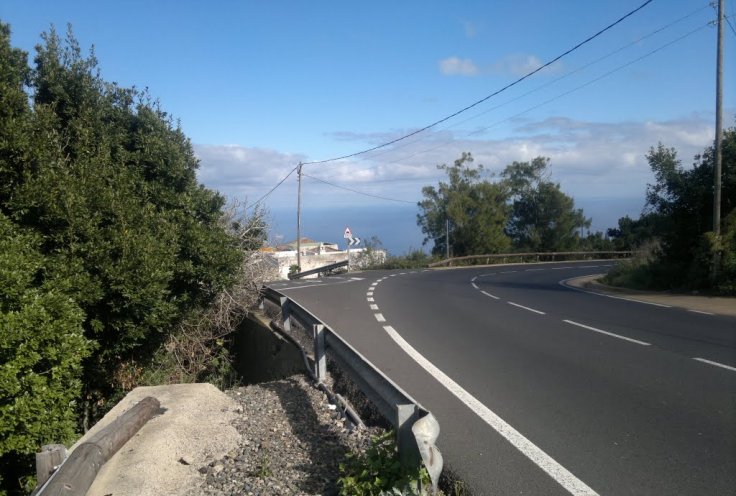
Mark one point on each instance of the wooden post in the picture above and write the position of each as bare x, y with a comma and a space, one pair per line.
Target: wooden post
48, 460
76, 475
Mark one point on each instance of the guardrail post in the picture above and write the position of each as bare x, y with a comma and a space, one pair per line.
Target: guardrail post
285, 313
406, 415
320, 360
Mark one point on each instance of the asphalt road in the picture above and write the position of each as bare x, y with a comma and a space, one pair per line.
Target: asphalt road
544, 389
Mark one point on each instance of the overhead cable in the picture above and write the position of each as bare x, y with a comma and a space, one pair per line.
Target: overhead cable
272, 189
556, 80
475, 104
356, 191
550, 100
728, 20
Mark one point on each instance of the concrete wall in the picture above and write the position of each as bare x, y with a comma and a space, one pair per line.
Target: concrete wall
261, 355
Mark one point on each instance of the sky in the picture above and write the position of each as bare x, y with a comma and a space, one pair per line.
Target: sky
261, 86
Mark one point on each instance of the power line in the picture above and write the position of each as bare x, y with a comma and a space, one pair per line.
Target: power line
728, 20
356, 191
475, 104
272, 189
550, 100
534, 90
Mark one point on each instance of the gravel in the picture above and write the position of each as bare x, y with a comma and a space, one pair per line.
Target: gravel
292, 442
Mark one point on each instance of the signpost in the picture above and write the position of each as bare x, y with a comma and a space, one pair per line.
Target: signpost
348, 235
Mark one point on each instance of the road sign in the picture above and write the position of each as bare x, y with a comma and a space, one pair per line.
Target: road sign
353, 241
347, 234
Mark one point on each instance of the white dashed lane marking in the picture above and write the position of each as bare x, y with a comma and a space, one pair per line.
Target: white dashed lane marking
711, 362
618, 336
526, 308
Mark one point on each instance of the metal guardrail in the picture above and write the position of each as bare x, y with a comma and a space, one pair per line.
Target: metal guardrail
326, 268
537, 256
416, 428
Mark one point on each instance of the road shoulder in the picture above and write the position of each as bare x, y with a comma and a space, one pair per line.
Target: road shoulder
717, 305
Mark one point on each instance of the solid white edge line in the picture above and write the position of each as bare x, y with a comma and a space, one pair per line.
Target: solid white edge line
526, 308
492, 296
559, 473
473, 279
374, 306
379, 317
700, 312
474, 285
711, 362
643, 343
564, 283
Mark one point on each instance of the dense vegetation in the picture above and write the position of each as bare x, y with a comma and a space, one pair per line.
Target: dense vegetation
107, 244
676, 229
523, 211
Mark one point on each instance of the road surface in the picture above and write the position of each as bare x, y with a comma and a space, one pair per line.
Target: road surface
540, 388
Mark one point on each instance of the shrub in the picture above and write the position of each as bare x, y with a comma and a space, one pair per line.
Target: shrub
41, 351
378, 471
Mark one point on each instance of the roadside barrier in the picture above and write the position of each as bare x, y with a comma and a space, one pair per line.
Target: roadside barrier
560, 256
416, 427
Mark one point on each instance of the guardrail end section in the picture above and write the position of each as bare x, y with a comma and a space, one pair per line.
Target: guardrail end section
426, 430
406, 415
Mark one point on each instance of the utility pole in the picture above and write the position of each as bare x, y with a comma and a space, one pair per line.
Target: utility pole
299, 218
719, 138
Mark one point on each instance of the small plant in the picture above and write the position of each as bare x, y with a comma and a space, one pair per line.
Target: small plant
378, 471
264, 467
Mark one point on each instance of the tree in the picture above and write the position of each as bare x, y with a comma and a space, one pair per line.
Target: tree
14, 114
474, 207
42, 347
678, 220
682, 201
122, 241
543, 218
631, 234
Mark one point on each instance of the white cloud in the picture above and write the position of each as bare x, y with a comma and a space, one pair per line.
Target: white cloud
521, 64
454, 66
593, 160
243, 172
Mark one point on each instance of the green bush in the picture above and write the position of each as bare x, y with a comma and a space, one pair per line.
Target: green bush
378, 471
42, 347
108, 240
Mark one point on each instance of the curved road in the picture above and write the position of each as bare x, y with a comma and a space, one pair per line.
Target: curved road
540, 388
